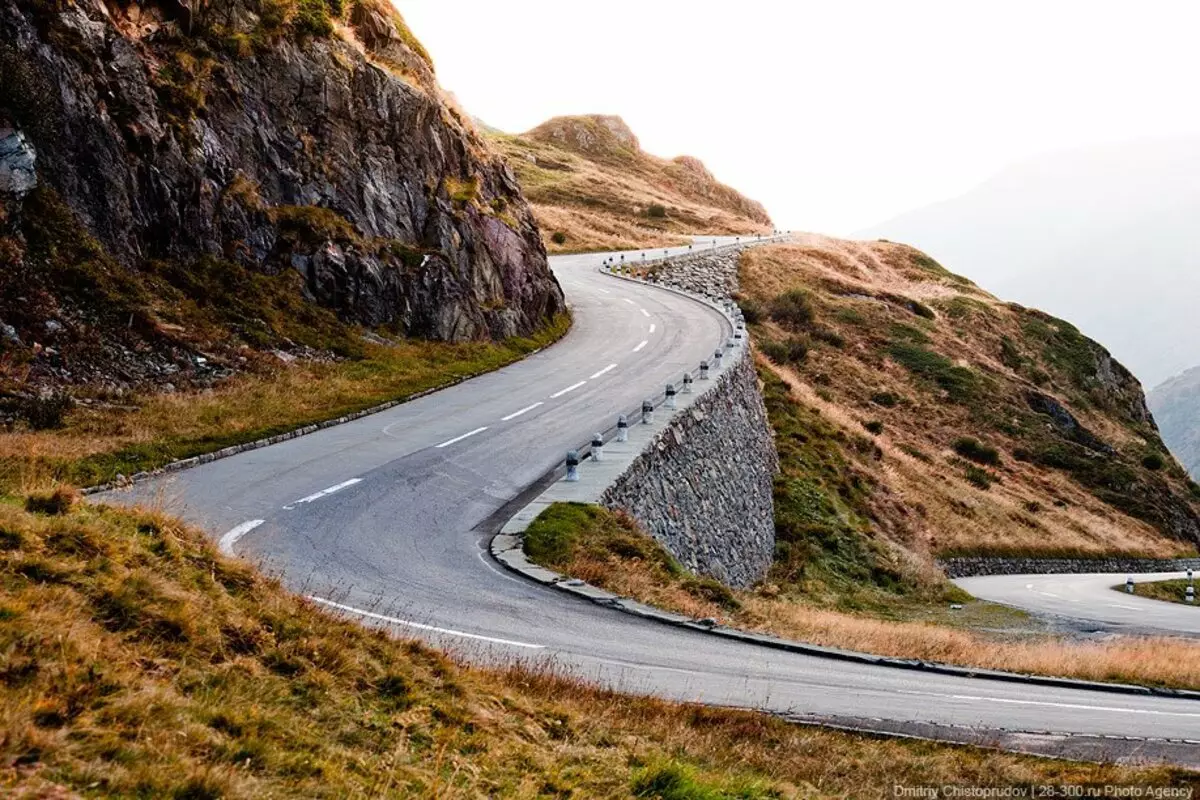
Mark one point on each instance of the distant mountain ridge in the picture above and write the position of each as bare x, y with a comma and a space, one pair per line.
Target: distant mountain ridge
1176, 407
1104, 236
593, 187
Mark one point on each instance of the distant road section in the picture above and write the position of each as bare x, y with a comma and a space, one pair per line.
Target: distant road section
1089, 598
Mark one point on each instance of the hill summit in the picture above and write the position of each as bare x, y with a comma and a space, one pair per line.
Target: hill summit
593, 187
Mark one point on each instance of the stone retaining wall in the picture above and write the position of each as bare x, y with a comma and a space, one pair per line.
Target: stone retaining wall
971, 567
712, 274
703, 487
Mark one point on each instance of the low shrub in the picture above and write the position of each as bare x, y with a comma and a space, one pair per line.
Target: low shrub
712, 591
885, 399
874, 426
45, 412
793, 350
979, 477
558, 237
793, 309
828, 336
752, 312
1153, 462
656, 211
959, 383
312, 19
973, 449
60, 501
921, 310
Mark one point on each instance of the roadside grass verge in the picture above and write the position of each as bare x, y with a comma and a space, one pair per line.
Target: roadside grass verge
1173, 591
138, 662
99, 442
610, 551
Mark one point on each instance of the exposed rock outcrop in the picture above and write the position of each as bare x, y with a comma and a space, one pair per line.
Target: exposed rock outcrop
272, 135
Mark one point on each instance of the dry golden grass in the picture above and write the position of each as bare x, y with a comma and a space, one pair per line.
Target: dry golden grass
588, 230
599, 199
99, 442
952, 516
923, 502
139, 662
595, 547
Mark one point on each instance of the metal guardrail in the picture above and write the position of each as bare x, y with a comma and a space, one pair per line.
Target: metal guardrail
734, 344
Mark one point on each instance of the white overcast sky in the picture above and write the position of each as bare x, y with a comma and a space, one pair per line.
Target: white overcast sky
835, 114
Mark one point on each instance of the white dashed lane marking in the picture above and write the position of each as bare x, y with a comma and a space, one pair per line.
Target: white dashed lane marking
524, 410
640, 346
570, 388
609, 368
323, 493
460, 438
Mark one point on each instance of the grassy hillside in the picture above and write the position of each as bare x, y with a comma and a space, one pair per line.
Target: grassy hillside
137, 662
1176, 407
919, 416
593, 188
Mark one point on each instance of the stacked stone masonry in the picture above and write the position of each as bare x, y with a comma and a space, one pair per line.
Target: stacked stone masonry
970, 567
703, 487
712, 274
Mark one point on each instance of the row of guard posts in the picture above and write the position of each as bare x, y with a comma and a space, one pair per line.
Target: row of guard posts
670, 395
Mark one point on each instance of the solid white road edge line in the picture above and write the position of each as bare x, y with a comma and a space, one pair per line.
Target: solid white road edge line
640, 346
323, 493
420, 627
601, 372
570, 388
460, 438
524, 410
1050, 704
226, 543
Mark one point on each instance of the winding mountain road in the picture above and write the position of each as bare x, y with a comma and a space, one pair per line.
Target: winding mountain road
387, 519
1089, 598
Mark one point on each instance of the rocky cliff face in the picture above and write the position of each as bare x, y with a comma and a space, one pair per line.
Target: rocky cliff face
277, 137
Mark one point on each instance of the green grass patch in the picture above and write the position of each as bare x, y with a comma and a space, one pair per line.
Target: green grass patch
823, 547
575, 537
961, 384
1173, 591
672, 780
971, 448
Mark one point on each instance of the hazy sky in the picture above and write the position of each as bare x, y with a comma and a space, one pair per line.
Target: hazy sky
835, 115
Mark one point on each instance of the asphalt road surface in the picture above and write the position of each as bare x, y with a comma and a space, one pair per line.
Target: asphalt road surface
381, 519
1089, 598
